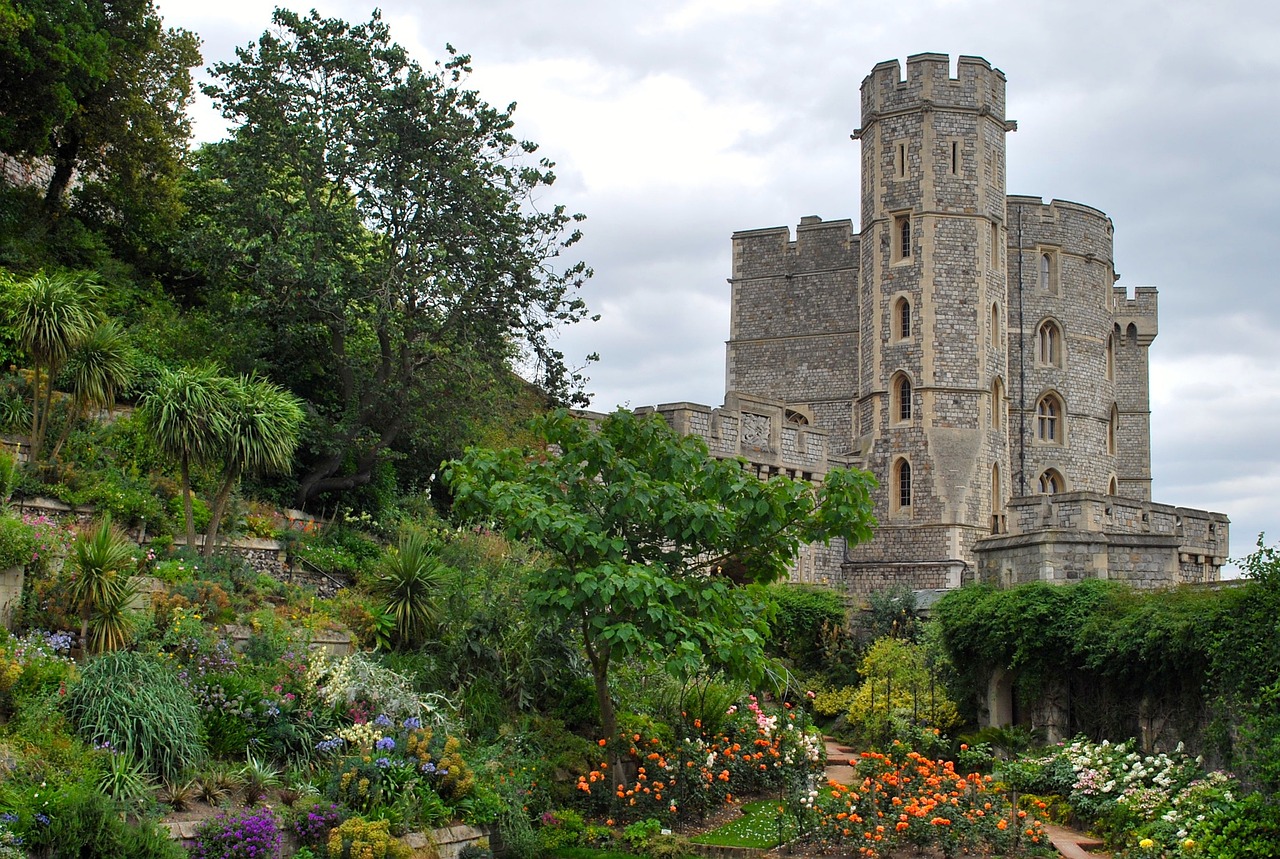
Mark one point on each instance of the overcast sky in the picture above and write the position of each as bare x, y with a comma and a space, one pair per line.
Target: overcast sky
676, 122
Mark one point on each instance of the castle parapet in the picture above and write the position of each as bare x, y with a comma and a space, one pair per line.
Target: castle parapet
771, 437
1141, 311
818, 246
977, 86
1080, 535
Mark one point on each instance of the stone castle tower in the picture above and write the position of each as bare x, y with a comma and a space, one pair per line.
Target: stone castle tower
969, 348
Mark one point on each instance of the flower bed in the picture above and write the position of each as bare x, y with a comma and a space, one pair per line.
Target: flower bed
903, 799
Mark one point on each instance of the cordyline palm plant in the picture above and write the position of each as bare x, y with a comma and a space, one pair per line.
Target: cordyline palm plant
260, 428
51, 314
100, 589
96, 370
185, 413
408, 584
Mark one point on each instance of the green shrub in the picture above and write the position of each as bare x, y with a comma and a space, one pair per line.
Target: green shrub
801, 613
136, 704
1250, 830
17, 542
77, 820
562, 828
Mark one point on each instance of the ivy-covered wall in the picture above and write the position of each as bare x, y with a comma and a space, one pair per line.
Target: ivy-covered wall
1195, 665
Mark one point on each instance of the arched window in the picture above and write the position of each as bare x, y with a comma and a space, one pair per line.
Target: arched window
1049, 344
902, 234
1051, 482
1131, 334
997, 403
1113, 429
901, 398
1113, 488
902, 485
1046, 272
1111, 358
902, 319
996, 336
1050, 419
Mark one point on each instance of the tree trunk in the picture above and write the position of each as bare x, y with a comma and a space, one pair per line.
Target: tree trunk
77, 411
64, 166
215, 515
186, 503
608, 718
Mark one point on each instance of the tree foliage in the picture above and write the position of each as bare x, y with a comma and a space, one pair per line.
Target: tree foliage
100, 91
373, 224
52, 315
658, 550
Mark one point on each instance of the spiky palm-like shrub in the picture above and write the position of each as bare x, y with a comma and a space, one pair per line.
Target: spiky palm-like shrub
52, 314
99, 585
97, 368
408, 586
137, 705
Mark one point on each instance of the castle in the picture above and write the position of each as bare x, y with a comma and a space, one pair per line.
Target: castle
969, 348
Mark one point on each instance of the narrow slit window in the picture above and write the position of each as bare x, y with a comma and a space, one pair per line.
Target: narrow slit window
904, 484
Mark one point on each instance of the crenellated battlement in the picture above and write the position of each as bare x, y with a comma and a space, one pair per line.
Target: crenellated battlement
818, 246
770, 436
928, 83
1141, 311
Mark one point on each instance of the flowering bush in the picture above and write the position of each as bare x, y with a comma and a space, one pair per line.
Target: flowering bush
755, 751
358, 838
312, 822
904, 798
250, 834
1127, 796
361, 687
380, 764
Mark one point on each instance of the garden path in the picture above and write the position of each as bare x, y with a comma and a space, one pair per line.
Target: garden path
839, 761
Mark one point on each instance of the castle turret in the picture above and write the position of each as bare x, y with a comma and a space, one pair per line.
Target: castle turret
933, 369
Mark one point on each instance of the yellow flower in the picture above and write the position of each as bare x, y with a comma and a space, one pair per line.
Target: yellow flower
1188, 844
1146, 844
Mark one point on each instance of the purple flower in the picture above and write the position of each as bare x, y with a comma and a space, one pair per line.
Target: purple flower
385, 744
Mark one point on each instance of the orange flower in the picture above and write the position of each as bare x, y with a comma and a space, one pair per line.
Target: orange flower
602, 742
1002, 825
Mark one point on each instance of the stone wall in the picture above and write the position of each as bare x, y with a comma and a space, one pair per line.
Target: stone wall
1079, 535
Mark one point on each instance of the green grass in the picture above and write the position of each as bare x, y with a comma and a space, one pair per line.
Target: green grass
757, 827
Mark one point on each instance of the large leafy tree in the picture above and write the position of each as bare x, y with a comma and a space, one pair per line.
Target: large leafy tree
374, 221
99, 91
659, 552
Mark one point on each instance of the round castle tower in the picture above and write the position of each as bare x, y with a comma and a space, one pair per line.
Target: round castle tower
1065, 401
931, 420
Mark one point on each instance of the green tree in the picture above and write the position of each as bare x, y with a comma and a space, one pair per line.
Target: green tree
52, 315
185, 414
899, 687
100, 90
374, 222
256, 433
658, 551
